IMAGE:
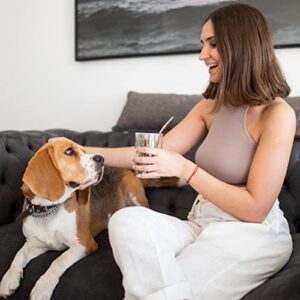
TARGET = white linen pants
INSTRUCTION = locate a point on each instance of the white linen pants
(211, 256)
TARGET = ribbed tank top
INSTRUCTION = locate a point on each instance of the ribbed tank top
(227, 150)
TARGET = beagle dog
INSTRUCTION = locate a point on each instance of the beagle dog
(69, 199)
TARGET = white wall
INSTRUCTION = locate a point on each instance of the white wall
(41, 85)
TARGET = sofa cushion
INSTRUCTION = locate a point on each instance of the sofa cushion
(148, 112)
(96, 276)
(290, 193)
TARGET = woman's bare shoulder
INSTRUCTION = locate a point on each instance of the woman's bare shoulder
(207, 102)
(279, 107)
(279, 113)
(204, 106)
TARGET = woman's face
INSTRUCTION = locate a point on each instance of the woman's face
(209, 53)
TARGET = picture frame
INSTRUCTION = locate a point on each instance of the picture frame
(127, 28)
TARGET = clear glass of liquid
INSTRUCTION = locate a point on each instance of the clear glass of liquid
(147, 139)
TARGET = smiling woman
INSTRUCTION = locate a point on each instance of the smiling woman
(262, 82)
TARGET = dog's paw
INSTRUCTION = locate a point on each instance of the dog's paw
(9, 283)
(44, 288)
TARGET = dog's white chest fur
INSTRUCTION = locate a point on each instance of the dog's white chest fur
(56, 231)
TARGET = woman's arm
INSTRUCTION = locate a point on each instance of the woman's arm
(115, 157)
(266, 174)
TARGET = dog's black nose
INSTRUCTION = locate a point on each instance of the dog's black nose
(99, 159)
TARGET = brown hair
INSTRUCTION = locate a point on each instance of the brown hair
(250, 72)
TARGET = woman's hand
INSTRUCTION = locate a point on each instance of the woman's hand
(156, 162)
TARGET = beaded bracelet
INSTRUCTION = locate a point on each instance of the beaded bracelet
(193, 173)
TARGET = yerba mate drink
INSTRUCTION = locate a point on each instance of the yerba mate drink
(147, 139)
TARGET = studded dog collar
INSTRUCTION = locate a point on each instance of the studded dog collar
(38, 211)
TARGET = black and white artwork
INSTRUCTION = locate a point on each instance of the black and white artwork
(124, 28)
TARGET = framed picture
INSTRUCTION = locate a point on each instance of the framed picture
(125, 28)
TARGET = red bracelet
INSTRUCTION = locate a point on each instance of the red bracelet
(193, 173)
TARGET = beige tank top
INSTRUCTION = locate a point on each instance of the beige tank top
(227, 151)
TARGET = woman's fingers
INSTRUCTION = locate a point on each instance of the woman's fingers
(145, 159)
(147, 150)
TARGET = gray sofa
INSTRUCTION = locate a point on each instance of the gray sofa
(97, 276)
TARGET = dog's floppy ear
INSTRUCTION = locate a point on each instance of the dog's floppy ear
(42, 177)
(83, 195)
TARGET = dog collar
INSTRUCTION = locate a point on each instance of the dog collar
(38, 211)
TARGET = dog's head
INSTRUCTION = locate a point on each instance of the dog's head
(58, 165)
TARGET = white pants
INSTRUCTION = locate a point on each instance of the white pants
(211, 256)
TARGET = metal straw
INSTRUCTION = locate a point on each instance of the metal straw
(165, 125)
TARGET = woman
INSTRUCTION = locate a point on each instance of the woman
(236, 236)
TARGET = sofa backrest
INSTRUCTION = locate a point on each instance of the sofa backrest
(148, 111)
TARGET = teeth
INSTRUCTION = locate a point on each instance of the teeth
(212, 65)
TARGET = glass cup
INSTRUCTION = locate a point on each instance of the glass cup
(147, 139)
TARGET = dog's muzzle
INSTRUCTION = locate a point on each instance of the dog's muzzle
(100, 175)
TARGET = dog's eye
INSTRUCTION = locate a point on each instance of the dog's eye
(73, 184)
(70, 151)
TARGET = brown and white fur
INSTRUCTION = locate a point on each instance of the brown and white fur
(61, 172)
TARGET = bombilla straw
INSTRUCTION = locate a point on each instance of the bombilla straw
(165, 125)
